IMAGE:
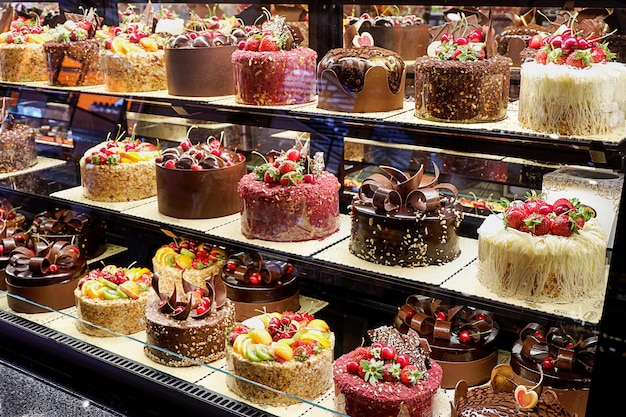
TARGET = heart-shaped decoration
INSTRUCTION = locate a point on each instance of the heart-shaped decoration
(364, 39)
(525, 399)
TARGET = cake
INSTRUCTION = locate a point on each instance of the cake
(191, 177)
(571, 88)
(17, 145)
(515, 40)
(44, 278)
(462, 338)
(289, 352)
(188, 324)
(186, 56)
(503, 397)
(111, 301)
(407, 221)
(11, 239)
(271, 69)
(84, 230)
(255, 285)
(290, 198)
(73, 54)
(392, 377)
(566, 355)
(462, 79)
(11, 218)
(543, 252)
(22, 58)
(119, 170)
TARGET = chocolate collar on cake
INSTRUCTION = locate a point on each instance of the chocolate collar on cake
(46, 264)
(250, 267)
(198, 303)
(417, 192)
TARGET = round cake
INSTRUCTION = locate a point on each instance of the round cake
(515, 40)
(403, 220)
(462, 339)
(271, 69)
(392, 377)
(543, 252)
(111, 301)
(462, 79)
(44, 279)
(361, 79)
(119, 170)
(255, 284)
(190, 178)
(290, 198)
(289, 352)
(17, 145)
(22, 58)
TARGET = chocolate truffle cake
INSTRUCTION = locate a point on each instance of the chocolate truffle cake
(404, 221)
(17, 145)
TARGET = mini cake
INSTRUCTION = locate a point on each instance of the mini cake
(113, 300)
(289, 352)
(271, 69)
(462, 338)
(290, 198)
(73, 53)
(191, 177)
(255, 284)
(46, 275)
(392, 377)
(85, 231)
(571, 88)
(566, 357)
(17, 145)
(503, 397)
(119, 170)
(543, 252)
(22, 58)
(405, 221)
(462, 79)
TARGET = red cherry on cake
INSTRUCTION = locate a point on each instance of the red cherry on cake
(481, 316)
(548, 363)
(352, 367)
(539, 335)
(440, 315)
(387, 353)
(54, 268)
(402, 360)
(293, 155)
(461, 40)
(308, 178)
(465, 336)
(170, 163)
(255, 278)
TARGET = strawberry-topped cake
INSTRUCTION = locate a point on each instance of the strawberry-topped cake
(543, 252)
(289, 352)
(394, 376)
(572, 88)
(271, 68)
(22, 58)
(290, 198)
(120, 169)
(190, 177)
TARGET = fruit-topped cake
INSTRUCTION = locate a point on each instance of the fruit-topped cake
(186, 56)
(46, 275)
(73, 54)
(86, 231)
(405, 220)
(394, 376)
(566, 355)
(463, 78)
(17, 144)
(543, 252)
(572, 88)
(189, 327)
(191, 177)
(255, 284)
(112, 300)
(290, 198)
(504, 397)
(120, 169)
(289, 352)
(271, 68)
(462, 338)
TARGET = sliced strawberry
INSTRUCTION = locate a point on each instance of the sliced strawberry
(268, 44)
(252, 44)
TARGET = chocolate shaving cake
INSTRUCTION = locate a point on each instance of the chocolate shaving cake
(17, 146)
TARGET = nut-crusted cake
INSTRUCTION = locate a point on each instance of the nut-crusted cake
(17, 145)
(22, 58)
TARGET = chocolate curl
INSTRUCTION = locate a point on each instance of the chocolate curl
(219, 289)
(20, 260)
(63, 254)
(250, 263)
(273, 270)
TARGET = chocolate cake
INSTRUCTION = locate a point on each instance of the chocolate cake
(404, 221)
(46, 275)
(255, 284)
(11, 219)
(17, 145)
(12, 239)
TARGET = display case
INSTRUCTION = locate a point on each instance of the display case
(491, 159)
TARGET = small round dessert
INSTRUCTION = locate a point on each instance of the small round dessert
(22, 58)
(190, 178)
(255, 284)
(392, 377)
(44, 279)
(288, 352)
(113, 300)
(17, 142)
(404, 221)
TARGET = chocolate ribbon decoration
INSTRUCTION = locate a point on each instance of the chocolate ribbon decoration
(420, 314)
(246, 264)
(566, 350)
(62, 221)
(37, 262)
(418, 192)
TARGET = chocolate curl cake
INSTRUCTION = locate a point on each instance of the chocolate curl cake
(198, 302)
(12, 237)
(251, 268)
